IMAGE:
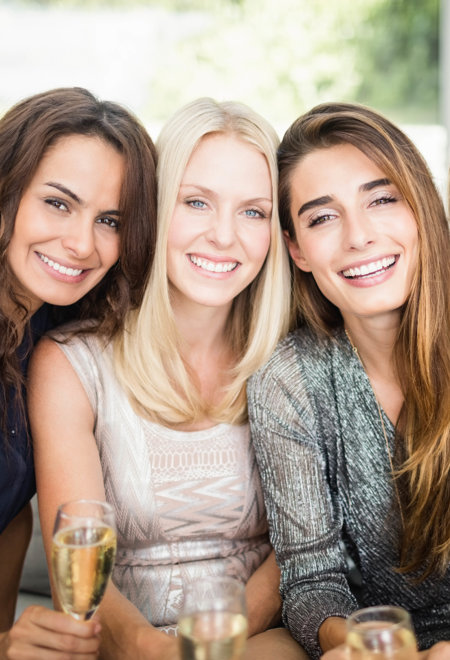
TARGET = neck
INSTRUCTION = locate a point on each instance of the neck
(374, 343)
(206, 350)
(202, 330)
(374, 339)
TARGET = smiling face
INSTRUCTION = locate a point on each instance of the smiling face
(65, 235)
(354, 231)
(219, 234)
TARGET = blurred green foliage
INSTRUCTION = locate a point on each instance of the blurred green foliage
(399, 58)
(283, 56)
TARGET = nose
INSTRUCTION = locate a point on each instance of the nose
(222, 231)
(79, 238)
(359, 231)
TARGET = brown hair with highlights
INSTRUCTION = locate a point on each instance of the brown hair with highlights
(422, 348)
(27, 131)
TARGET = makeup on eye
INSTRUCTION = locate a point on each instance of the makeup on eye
(63, 205)
(113, 223)
(364, 187)
(323, 216)
(58, 204)
(249, 209)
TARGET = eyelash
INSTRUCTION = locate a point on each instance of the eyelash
(199, 204)
(56, 203)
(257, 212)
(320, 219)
(193, 203)
(383, 199)
(113, 223)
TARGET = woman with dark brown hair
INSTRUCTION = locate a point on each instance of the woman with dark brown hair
(351, 416)
(77, 231)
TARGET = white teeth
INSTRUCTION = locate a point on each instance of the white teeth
(369, 269)
(72, 272)
(212, 266)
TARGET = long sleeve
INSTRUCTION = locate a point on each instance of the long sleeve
(305, 516)
(327, 483)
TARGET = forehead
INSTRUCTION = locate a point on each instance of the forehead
(68, 146)
(77, 158)
(225, 154)
(330, 170)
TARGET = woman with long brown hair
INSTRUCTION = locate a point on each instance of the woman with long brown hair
(77, 230)
(351, 416)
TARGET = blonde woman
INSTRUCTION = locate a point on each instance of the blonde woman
(157, 422)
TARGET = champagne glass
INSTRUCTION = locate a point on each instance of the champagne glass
(213, 621)
(83, 553)
(381, 633)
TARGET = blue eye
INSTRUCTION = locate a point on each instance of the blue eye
(196, 203)
(255, 213)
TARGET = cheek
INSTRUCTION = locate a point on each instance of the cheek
(111, 251)
(258, 245)
(313, 254)
(179, 232)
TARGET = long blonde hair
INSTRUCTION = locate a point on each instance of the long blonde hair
(148, 358)
(422, 348)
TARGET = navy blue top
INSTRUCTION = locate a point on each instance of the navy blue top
(17, 482)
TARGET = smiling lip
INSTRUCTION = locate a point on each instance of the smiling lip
(64, 272)
(369, 269)
(219, 266)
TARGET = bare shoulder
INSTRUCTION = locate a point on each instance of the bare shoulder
(46, 348)
(55, 388)
(48, 359)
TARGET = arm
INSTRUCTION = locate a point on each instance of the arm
(68, 467)
(305, 515)
(14, 542)
(263, 597)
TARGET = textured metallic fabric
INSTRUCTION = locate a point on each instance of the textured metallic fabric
(326, 478)
(187, 504)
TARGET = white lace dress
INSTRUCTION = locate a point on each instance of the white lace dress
(187, 504)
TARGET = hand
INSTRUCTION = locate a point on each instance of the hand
(341, 652)
(440, 651)
(43, 634)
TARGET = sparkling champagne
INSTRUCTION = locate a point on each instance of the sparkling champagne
(374, 640)
(82, 561)
(212, 635)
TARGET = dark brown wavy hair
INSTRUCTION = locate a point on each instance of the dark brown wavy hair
(27, 131)
(422, 348)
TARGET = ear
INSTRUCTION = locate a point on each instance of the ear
(295, 252)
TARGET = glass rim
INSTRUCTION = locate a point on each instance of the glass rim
(371, 612)
(102, 503)
(104, 508)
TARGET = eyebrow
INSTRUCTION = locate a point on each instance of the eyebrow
(208, 191)
(64, 190)
(74, 196)
(320, 201)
